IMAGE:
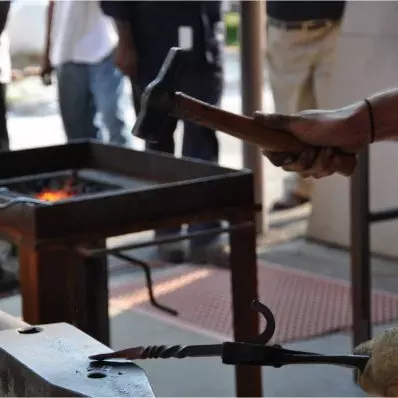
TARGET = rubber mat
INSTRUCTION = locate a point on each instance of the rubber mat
(304, 304)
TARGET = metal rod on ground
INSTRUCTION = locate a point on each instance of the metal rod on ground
(252, 33)
(360, 251)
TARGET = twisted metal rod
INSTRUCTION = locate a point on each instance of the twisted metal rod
(163, 352)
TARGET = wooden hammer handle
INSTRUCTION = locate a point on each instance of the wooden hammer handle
(245, 128)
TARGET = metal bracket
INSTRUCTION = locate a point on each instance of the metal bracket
(147, 270)
(117, 252)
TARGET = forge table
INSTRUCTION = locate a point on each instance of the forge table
(118, 191)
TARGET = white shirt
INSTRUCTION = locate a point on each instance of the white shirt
(5, 58)
(80, 32)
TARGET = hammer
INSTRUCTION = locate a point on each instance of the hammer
(160, 101)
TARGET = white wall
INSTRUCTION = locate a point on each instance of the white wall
(26, 26)
(367, 62)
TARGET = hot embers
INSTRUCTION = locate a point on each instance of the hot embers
(57, 186)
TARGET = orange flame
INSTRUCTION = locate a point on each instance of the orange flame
(58, 194)
(53, 196)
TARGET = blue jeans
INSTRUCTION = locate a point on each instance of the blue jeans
(206, 84)
(89, 90)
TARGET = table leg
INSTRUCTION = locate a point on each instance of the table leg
(243, 261)
(97, 296)
(361, 280)
(60, 285)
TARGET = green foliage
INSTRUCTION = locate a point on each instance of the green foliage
(231, 28)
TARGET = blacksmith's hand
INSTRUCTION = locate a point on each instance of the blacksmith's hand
(326, 133)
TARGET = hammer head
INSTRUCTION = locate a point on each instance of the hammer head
(157, 100)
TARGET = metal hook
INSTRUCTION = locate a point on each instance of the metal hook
(269, 331)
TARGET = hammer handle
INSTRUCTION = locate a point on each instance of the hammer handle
(245, 128)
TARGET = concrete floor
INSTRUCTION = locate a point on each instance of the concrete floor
(330, 261)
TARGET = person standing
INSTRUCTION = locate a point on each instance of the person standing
(301, 46)
(147, 30)
(80, 43)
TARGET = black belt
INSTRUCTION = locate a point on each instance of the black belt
(301, 25)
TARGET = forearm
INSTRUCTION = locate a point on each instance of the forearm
(50, 12)
(4, 11)
(125, 34)
(385, 114)
(384, 107)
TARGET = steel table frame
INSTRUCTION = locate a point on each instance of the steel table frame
(252, 38)
(49, 237)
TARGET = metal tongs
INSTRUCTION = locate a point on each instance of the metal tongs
(254, 353)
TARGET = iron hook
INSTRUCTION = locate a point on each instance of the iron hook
(269, 330)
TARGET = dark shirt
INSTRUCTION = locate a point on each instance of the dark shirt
(305, 10)
(155, 26)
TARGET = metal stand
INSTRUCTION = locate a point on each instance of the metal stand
(158, 191)
(243, 262)
(361, 219)
(360, 251)
(252, 32)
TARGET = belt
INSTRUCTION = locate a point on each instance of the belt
(301, 25)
